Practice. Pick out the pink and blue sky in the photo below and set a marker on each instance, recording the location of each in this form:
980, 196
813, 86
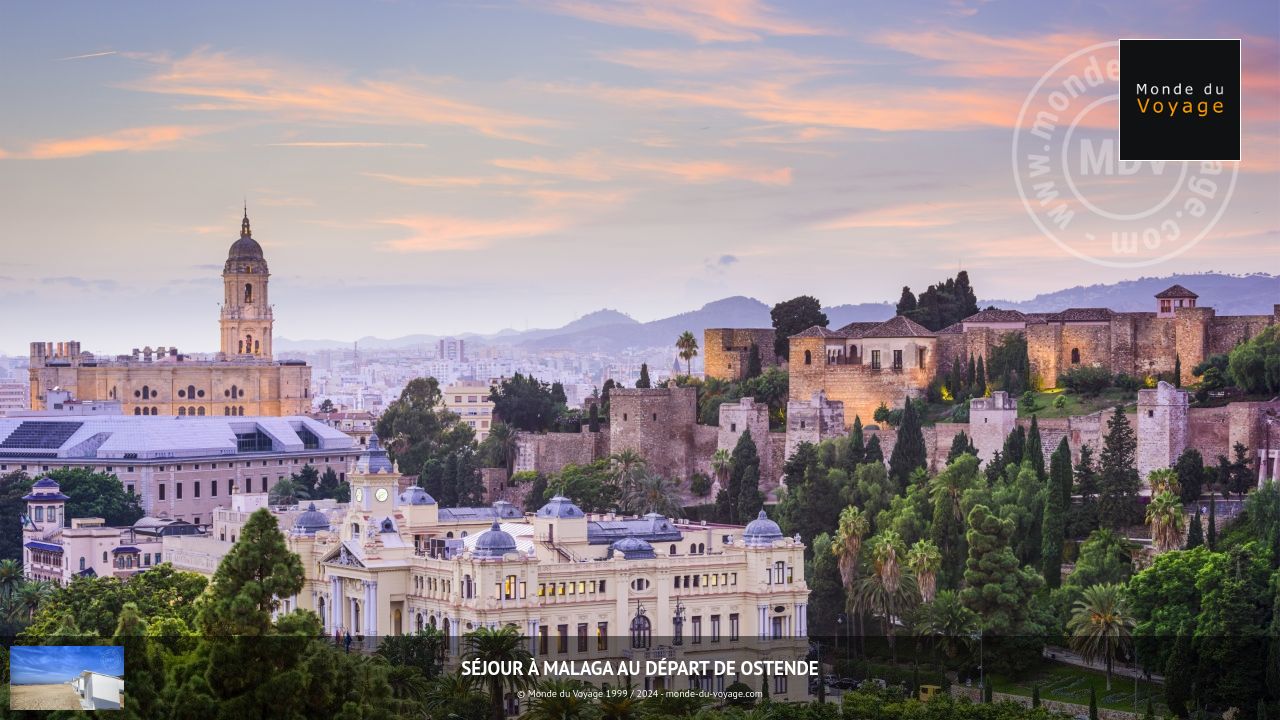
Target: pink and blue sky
454, 166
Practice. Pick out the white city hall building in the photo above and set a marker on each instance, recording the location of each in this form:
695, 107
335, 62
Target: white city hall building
580, 587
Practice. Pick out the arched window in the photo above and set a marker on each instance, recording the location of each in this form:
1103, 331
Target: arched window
248, 292
191, 411
240, 348
419, 623
182, 411
104, 556
191, 391
641, 632
137, 411
257, 347
248, 342
702, 548
1075, 356
200, 411
82, 563
808, 358
146, 392
673, 550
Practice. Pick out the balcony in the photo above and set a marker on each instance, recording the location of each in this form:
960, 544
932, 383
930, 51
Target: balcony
661, 652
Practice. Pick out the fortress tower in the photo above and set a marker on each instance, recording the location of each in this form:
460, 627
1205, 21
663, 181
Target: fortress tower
1162, 428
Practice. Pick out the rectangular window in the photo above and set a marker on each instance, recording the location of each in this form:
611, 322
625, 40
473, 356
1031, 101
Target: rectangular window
562, 639
542, 639
779, 684
733, 627
601, 586
582, 637
178, 490
213, 488
264, 484
897, 359
875, 359
161, 491
582, 587
697, 629
715, 628
196, 488
542, 589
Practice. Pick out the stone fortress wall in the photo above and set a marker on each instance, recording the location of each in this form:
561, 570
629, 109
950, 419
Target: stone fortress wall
725, 351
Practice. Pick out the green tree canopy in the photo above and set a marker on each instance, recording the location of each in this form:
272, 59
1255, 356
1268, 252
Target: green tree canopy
793, 316
415, 428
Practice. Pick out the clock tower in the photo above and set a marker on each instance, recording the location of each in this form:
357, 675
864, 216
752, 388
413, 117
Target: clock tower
374, 484
246, 311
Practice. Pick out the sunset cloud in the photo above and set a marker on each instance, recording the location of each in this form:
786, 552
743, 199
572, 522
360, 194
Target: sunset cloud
222, 81
594, 166
915, 216
965, 54
346, 144
702, 20
454, 181
141, 139
440, 233
721, 61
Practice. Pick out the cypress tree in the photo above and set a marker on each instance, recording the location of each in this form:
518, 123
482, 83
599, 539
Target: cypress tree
909, 451
744, 456
1055, 515
980, 378
1034, 450
1015, 447
960, 445
754, 365
593, 419
971, 374
1035, 696
1177, 371
857, 447
1211, 537
752, 500
643, 382
1195, 533
956, 382
874, 453
994, 469
1118, 481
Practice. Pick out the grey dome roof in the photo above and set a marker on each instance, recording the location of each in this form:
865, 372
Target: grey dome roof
246, 248
311, 521
560, 507
762, 531
416, 496
374, 459
494, 543
633, 548
46, 482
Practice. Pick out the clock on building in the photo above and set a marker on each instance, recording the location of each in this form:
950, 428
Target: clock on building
381, 495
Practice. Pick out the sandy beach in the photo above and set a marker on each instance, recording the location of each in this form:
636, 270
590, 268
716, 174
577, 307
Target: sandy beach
43, 697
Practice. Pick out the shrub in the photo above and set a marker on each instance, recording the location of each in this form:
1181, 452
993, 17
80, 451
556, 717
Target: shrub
1088, 380
1128, 382
700, 485
1060, 402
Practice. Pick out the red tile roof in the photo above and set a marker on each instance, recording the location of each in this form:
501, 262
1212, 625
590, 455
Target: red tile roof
899, 327
1176, 291
996, 315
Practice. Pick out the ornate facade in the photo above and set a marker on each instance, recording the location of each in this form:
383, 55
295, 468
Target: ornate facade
241, 379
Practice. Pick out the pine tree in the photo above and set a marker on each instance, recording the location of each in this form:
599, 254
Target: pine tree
754, 365
993, 565
874, 453
1195, 533
643, 382
906, 302
1118, 482
909, 451
1034, 450
1055, 515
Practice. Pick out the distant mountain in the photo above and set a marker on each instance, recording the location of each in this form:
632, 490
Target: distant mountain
611, 330
1228, 294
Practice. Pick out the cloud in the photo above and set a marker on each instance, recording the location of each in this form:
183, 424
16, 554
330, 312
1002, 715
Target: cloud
960, 53
926, 215
703, 20
454, 181
88, 55
298, 94
721, 61
439, 233
726, 260
345, 144
595, 166
140, 139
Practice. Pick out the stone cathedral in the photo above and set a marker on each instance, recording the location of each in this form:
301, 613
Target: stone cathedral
242, 378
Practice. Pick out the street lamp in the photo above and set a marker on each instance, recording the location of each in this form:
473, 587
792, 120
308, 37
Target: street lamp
678, 623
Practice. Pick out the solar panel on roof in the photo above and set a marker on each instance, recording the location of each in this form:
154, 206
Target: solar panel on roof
42, 435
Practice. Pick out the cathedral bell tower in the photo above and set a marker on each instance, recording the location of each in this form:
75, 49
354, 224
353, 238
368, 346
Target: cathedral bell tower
246, 310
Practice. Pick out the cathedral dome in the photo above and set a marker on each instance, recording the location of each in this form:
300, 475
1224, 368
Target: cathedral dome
245, 249
494, 543
761, 532
311, 521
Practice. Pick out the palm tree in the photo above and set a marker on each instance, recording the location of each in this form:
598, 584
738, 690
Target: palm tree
924, 559
504, 439
688, 346
888, 591
1100, 625
848, 542
721, 463
652, 493
626, 465
10, 577
451, 691
504, 644
1164, 479
29, 597
948, 621
1167, 520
